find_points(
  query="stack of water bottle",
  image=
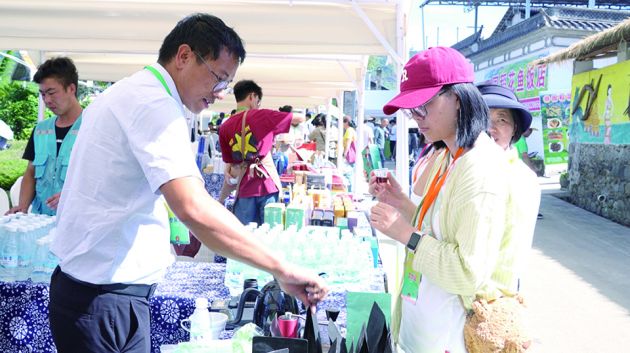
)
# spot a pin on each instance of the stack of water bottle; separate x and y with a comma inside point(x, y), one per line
point(346, 259)
point(24, 247)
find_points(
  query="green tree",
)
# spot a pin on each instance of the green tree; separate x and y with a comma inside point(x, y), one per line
point(388, 71)
point(18, 108)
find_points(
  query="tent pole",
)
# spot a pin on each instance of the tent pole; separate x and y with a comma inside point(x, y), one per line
point(340, 131)
point(360, 100)
point(368, 22)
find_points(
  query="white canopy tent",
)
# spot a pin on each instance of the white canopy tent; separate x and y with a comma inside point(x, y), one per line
point(301, 52)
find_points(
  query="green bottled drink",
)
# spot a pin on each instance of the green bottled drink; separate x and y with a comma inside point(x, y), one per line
point(179, 232)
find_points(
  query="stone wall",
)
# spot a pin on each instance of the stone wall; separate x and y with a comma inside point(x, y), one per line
point(599, 179)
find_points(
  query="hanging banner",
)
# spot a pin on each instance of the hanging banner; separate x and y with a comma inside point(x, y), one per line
point(524, 79)
point(555, 110)
point(600, 106)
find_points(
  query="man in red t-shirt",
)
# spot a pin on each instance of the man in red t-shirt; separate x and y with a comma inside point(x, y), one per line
point(254, 175)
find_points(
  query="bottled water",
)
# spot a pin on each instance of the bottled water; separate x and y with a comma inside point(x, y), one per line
point(24, 238)
point(9, 253)
point(40, 273)
point(234, 277)
point(346, 258)
point(200, 325)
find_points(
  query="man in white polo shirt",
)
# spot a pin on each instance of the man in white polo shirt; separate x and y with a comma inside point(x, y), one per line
point(113, 233)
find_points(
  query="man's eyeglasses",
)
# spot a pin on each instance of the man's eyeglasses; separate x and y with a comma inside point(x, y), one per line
point(421, 110)
point(221, 83)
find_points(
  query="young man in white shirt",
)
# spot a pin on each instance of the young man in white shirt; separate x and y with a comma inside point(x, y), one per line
point(113, 231)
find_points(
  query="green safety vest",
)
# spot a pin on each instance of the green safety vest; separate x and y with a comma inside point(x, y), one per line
point(50, 168)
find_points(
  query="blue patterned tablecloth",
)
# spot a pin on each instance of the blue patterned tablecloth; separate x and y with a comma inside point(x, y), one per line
point(174, 299)
point(213, 182)
point(24, 323)
point(24, 318)
point(24, 307)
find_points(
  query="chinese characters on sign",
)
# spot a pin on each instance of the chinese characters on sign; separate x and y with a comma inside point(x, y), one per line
point(522, 79)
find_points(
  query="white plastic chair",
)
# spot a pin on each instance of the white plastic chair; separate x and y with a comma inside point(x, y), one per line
point(4, 202)
point(15, 191)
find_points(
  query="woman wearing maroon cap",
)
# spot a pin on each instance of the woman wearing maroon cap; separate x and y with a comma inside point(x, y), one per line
point(454, 250)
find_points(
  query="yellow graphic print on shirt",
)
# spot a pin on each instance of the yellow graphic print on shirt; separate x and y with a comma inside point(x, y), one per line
point(250, 145)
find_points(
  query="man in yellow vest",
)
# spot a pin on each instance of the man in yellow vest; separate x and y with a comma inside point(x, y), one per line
point(48, 149)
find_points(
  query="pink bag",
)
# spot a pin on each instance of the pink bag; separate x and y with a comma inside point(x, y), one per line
point(351, 154)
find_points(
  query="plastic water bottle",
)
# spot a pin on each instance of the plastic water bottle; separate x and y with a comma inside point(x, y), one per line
point(234, 277)
point(39, 273)
point(200, 326)
point(9, 253)
point(26, 242)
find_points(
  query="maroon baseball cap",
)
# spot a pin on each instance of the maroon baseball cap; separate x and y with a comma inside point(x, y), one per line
point(426, 73)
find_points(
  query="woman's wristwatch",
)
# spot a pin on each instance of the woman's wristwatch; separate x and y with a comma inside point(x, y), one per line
point(414, 240)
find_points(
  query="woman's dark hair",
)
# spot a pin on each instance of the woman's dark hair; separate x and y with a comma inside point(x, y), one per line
point(473, 113)
point(286, 109)
point(319, 120)
point(437, 145)
point(60, 68)
point(518, 128)
point(244, 87)
point(347, 119)
point(205, 34)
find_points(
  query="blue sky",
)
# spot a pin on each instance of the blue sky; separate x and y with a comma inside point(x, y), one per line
point(450, 20)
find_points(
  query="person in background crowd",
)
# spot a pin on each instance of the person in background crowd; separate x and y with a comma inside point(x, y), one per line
point(309, 123)
point(521, 148)
point(48, 149)
point(220, 120)
point(319, 134)
point(214, 148)
point(508, 119)
point(249, 155)
point(349, 139)
point(298, 131)
point(392, 139)
point(379, 138)
point(414, 145)
point(368, 132)
point(454, 245)
point(131, 156)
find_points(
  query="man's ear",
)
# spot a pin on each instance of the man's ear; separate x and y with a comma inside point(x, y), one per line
point(184, 55)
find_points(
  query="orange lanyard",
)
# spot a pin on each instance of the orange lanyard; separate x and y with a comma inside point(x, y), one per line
point(421, 162)
point(434, 188)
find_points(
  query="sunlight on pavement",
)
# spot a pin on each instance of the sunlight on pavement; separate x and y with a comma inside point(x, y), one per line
point(567, 314)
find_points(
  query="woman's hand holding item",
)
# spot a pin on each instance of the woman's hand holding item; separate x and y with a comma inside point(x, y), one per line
point(390, 222)
point(391, 193)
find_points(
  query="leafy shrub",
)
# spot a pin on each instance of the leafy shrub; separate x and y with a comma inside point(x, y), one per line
point(9, 172)
point(18, 108)
point(12, 166)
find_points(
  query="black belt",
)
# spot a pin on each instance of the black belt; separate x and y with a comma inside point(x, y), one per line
point(136, 290)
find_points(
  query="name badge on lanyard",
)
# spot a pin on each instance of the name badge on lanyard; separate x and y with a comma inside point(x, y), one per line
point(411, 277)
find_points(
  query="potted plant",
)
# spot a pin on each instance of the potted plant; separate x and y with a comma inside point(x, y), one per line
point(564, 179)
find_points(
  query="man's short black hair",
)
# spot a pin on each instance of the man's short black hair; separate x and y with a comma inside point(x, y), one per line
point(243, 88)
point(206, 35)
point(60, 68)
